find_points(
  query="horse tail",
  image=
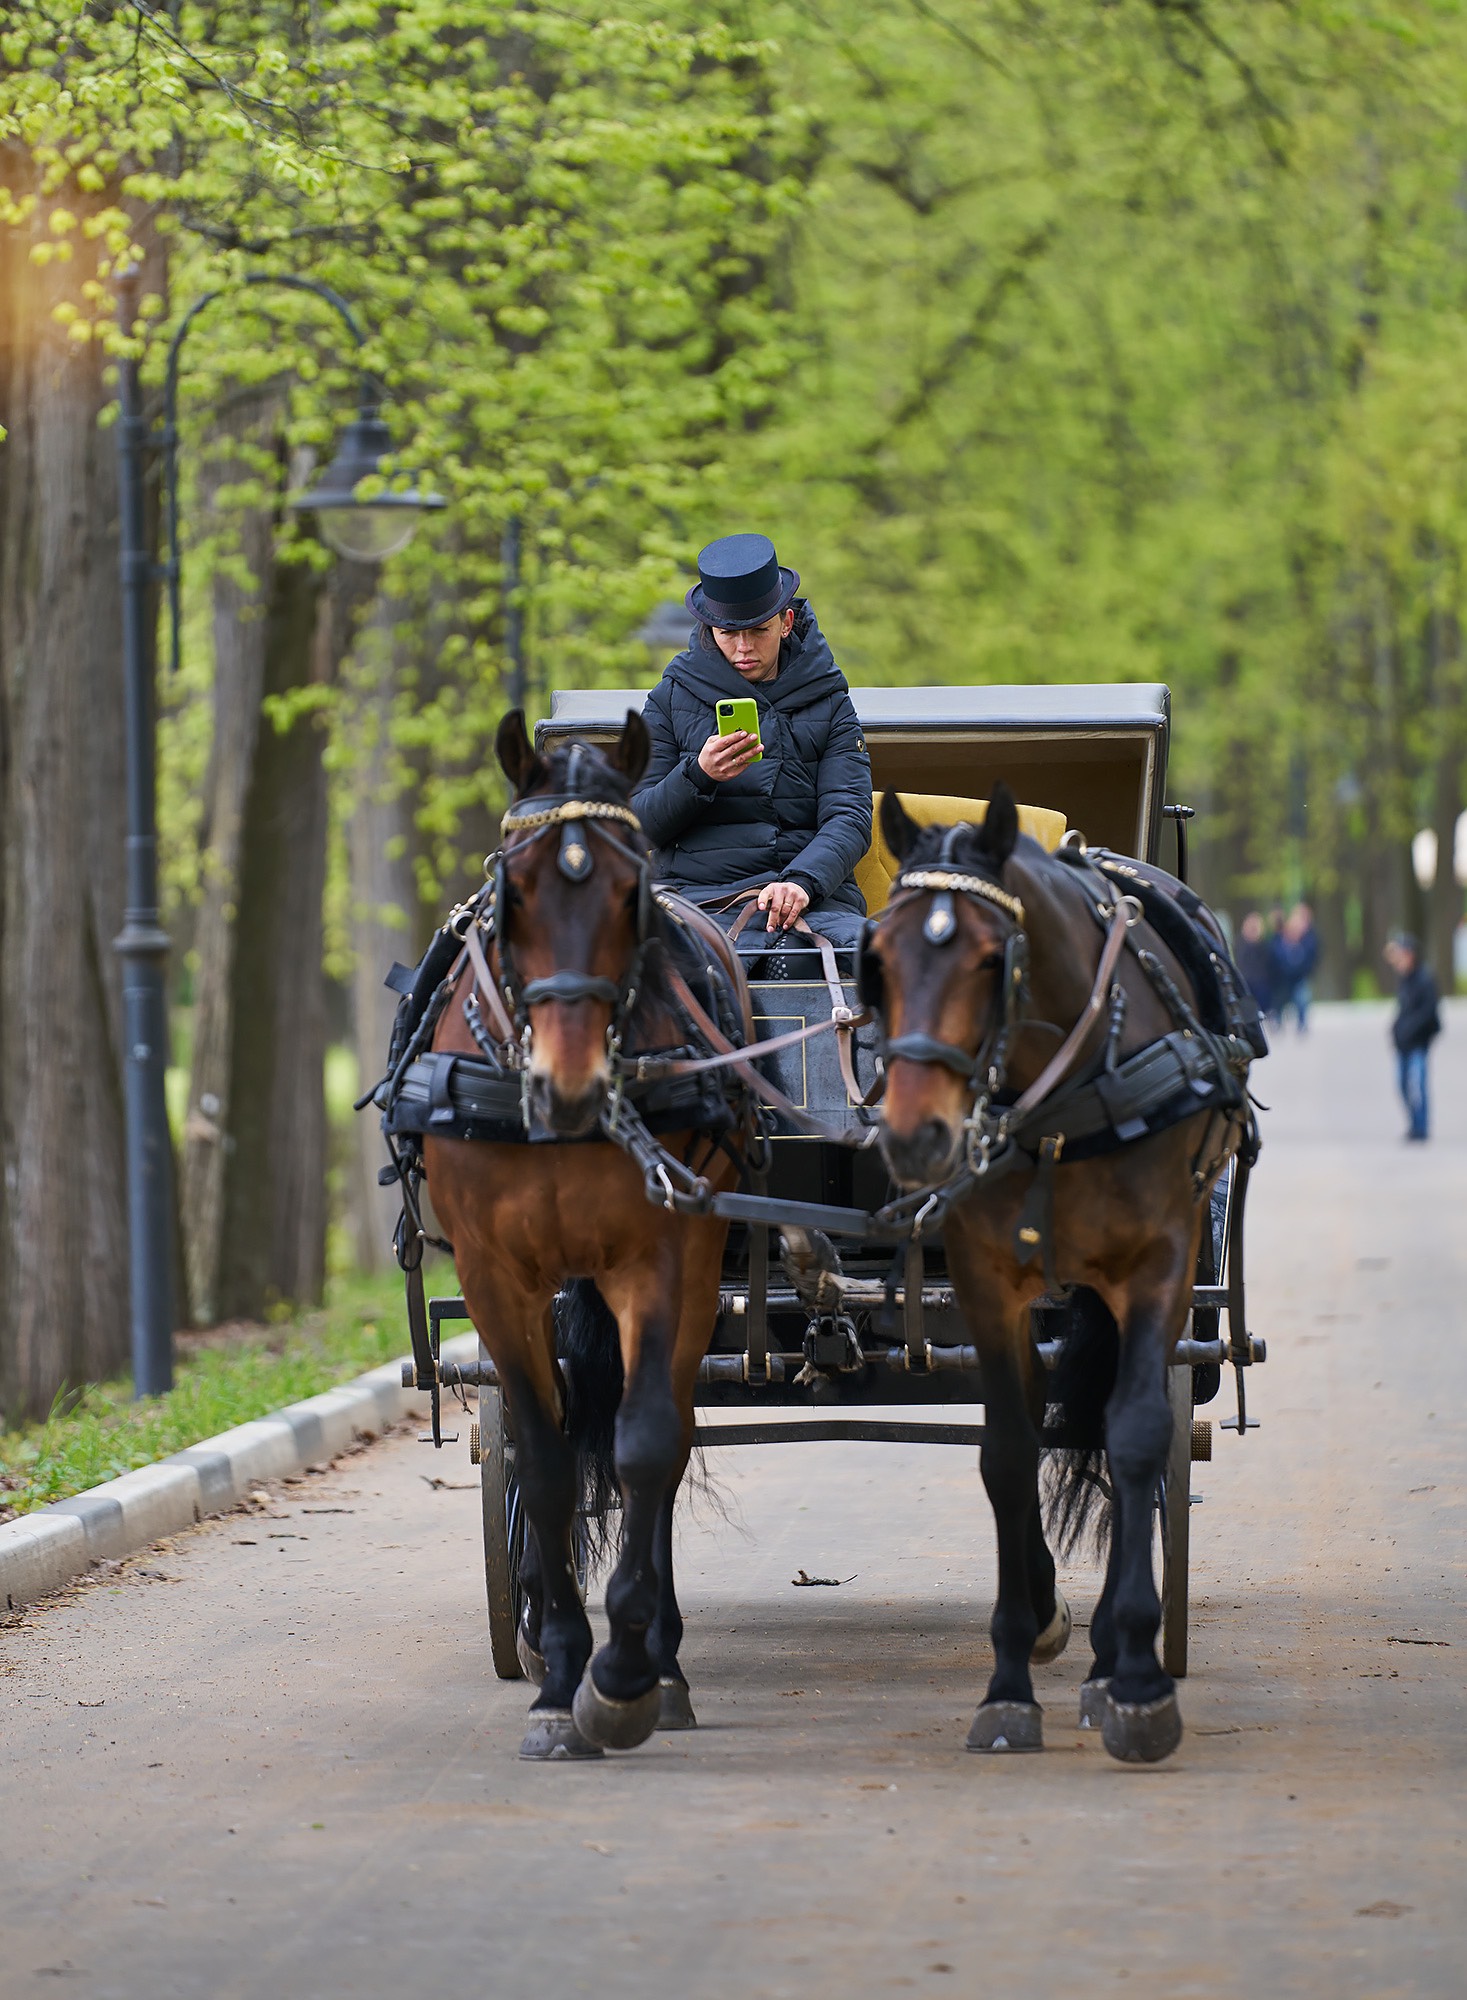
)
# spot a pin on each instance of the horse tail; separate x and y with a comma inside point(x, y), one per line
point(1078, 1504)
point(589, 1344)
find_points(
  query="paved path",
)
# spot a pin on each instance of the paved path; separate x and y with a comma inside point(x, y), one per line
point(271, 1760)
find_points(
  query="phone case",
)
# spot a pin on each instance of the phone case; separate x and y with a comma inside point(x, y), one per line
point(739, 713)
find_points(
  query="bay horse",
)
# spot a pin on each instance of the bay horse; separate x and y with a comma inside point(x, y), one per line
point(575, 953)
point(1066, 1170)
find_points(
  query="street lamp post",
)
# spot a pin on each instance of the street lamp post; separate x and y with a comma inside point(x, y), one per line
point(142, 944)
point(364, 529)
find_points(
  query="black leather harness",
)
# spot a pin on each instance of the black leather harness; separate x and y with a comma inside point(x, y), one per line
point(1079, 1110)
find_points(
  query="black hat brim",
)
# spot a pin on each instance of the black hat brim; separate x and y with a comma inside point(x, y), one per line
point(740, 617)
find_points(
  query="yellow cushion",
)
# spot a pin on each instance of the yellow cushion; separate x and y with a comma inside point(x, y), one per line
point(878, 867)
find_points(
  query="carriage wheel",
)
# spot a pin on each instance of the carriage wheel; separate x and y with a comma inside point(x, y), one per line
point(504, 1532)
point(1176, 1510)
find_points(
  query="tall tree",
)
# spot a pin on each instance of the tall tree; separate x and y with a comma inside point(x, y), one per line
point(63, 1224)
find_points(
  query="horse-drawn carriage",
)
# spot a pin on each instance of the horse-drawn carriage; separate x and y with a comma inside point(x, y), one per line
point(837, 1316)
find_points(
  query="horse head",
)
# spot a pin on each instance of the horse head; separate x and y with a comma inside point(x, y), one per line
point(937, 967)
point(574, 911)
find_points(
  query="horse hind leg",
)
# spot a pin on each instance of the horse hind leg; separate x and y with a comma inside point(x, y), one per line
point(549, 1487)
point(666, 1635)
point(1051, 1611)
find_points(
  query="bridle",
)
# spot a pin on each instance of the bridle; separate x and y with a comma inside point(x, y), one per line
point(576, 818)
point(992, 1119)
point(946, 882)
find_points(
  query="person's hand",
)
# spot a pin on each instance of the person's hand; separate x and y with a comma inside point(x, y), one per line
point(785, 901)
point(724, 757)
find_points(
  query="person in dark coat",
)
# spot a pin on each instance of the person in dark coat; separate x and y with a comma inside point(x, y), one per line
point(791, 824)
point(1255, 960)
point(1416, 1026)
point(1295, 958)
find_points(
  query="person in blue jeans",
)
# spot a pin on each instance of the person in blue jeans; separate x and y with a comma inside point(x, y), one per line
point(1416, 1026)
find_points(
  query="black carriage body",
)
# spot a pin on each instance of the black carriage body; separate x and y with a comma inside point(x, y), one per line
point(1095, 755)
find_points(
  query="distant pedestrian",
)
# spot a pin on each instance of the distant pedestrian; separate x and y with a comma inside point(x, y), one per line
point(1255, 960)
point(1417, 1024)
point(1295, 956)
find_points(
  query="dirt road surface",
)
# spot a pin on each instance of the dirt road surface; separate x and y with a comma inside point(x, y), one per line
point(271, 1759)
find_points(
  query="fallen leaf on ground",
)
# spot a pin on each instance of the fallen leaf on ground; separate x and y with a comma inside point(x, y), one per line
point(1385, 1908)
point(91, 1704)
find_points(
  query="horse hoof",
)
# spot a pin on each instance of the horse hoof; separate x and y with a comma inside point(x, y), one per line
point(532, 1664)
point(553, 1738)
point(675, 1709)
point(1094, 1701)
point(1142, 1732)
point(1007, 1725)
point(613, 1724)
point(1056, 1634)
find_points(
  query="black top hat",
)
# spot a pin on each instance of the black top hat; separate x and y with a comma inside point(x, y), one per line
point(740, 583)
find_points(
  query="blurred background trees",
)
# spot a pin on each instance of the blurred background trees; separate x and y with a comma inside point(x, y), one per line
point(1072, 342)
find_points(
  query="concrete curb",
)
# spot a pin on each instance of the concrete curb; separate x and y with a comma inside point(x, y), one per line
point(46, 1550)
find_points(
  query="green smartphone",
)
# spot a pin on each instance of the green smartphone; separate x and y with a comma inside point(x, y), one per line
point(741, 713)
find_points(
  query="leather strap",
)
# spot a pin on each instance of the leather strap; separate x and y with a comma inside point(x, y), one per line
point(738, 1060)
point(1068, 1054)
point(484, 980)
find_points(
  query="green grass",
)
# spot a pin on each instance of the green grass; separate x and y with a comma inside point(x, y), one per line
point(222, 1379)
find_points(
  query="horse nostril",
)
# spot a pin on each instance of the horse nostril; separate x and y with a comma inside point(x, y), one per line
point(924, 1154)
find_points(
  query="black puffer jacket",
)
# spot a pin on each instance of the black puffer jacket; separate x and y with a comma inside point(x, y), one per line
point(802, 813)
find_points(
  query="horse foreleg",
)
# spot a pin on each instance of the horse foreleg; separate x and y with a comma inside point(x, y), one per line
point(1010, 1718)
point(521, 1338)
point(1141, 1722)
point(619, 1698)
point(1095, 1689)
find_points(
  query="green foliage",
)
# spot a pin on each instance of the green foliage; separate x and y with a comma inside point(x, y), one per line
point(1103, 341)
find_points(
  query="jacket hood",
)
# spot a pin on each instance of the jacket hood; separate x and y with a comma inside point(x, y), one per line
point(807, 669)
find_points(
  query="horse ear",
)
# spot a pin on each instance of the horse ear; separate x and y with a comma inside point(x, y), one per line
point(515, 751)
point(999, 833)
point(633, 747)
point(898, 828)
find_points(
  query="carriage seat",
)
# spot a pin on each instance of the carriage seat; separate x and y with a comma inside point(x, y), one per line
point(878, 867)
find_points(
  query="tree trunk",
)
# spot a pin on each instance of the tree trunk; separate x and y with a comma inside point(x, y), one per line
point(257, 1151)
point(385, 926)
point(1444, 899)
point(240, 629)
point(63, 1221)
